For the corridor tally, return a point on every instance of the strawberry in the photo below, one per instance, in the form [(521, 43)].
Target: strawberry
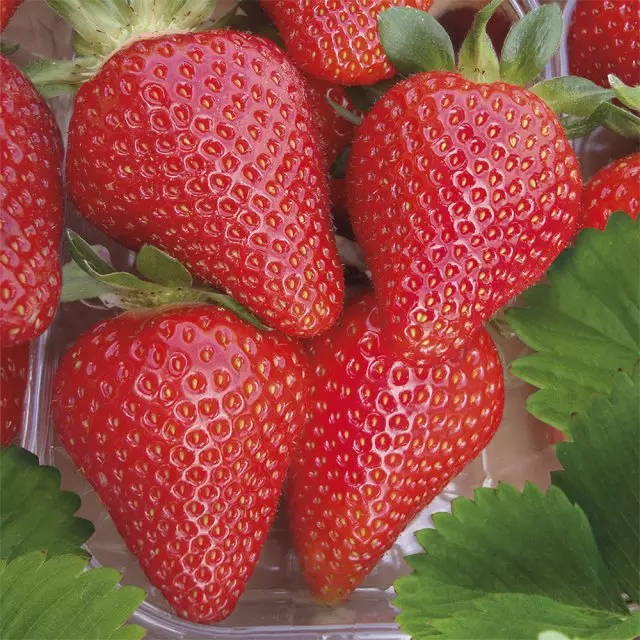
[(383, 439), (14, 365), (184, 420), (604, 38), (616, 187), (7, 9), (335, 131), (31, 209), (203, 144), (461, 194), (336, 40)]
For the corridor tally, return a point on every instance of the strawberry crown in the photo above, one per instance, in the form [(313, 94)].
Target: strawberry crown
[(416, 42), (89, 276)]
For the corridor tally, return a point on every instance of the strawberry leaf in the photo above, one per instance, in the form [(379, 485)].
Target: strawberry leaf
[(35, 514), (478, 60), (601, 466), (530, 44), (584, 324), (160, 267), (415, 41), (51, 599), (508, 616), (517, 563)]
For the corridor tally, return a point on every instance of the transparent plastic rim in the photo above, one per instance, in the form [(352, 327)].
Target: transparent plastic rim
[(156, 621)]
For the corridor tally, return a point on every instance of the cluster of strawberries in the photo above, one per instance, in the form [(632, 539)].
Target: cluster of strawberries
[(215, 147)]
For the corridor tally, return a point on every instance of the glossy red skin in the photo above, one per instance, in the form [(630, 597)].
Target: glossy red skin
[(616, 187), (166, 147), (604, 38), (457, 205), (335, 131), (184, 422), (383, 440), (31, 209), (7, 9), (14, 366), (336, 40)]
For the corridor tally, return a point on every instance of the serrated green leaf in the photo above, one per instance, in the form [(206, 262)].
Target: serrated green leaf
[(56, 599), (477, 59), (415, 41), (160, 267), (484, 547), (602, 475), (629, 96), (585, 324), (507, 616), (530, 44), (572, 95), (35, 514)]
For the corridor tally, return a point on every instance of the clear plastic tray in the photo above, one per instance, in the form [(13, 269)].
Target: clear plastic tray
[(276, 604)]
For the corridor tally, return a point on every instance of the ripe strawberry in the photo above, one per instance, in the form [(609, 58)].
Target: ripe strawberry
[(335, 131), (14, 364), (203, 144), (604, 38), (461, 195), (336, 40), (7, 9), (384, 438), (31, 209), (184, 421), (614, 188)]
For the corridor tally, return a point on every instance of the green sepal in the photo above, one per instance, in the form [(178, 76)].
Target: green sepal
[(160, 267), (478, 60), (354, 118), (572, 95), (415, 41), (617, 119), (8, 48), (57, 77), (339, 167), (365, 96), (35, 514), (530, 45), (602, 475), (226, 19), (629, 96), (168, 281)]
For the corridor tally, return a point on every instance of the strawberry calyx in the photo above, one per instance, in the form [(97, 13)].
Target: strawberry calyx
[(415, 42), (164, 281), (102, 28)]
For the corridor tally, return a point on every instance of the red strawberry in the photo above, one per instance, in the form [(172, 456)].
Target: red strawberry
[(31, 209), (614, 188), (336, 40), (461, 195), (14, 364), (604, 38), (384, 438), (335, 131), (7, 9), (184, 421), (203, 144)]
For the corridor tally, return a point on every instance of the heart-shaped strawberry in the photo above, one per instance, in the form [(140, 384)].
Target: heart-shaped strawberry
[(384, 438), (184, 421)]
